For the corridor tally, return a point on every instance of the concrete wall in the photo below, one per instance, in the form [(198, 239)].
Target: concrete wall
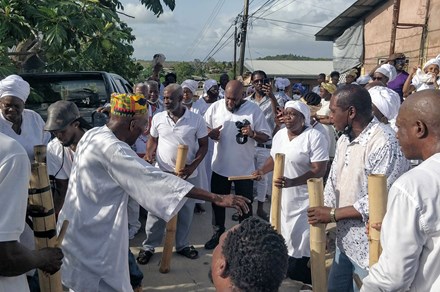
[(378, 27)]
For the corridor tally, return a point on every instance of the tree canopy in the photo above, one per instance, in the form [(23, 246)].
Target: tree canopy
[(68, 35)]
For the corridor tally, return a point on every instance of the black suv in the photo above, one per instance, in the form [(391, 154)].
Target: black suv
[(88, 90)]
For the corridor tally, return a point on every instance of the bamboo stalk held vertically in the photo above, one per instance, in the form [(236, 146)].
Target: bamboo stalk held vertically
[(317, 237), (275, 209), (40, 153), (165, 263), (44, 225), (377, 200)]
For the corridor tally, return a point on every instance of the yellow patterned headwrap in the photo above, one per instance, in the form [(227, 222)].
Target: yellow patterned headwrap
[(330, 87), (127, 104)]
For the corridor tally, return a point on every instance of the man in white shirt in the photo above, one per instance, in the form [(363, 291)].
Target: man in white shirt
[(15, 259), (321, 78), (177, 125), (366, 147), (235, 125), (106, 171), (410, 236)]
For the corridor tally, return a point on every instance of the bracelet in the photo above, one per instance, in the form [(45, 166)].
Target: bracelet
[(332, 215)]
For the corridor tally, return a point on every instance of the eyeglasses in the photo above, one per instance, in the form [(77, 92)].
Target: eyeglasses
[(377, 78)]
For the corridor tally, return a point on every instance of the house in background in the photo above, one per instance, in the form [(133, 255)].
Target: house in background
[(370, 30), (305, 72)]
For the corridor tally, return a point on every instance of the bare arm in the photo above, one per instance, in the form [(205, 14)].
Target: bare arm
[(318, 169), (60, 194), (407, 87), (15, 259), (151, 149)]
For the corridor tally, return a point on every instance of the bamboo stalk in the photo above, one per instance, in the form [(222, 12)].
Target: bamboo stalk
[(241, 177), (40, 153), (317, 237), (275, 209), (377, 199), (165, 263), (44, 226)]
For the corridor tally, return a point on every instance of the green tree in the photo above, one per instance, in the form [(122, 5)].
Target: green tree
[(184, 70), (68, 35)]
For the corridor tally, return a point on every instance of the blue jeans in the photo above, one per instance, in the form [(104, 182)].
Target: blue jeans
[(340, 278)]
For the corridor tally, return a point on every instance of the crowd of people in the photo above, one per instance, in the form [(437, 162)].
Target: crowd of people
[(385, 122)]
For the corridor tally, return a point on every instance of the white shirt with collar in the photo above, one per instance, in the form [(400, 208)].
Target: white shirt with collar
[(375, 151), (410, 234), (188, 130), (231, 158)]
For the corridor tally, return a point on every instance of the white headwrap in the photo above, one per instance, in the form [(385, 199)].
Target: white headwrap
[(301, 107), (14, 85), (364, 79), (387, 70), (386, 100), (191, 85), (435, 61), (208, 84), (282, 83)]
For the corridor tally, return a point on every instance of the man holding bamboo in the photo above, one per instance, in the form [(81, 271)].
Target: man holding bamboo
[(106, 171), (366, 147), (410, 234)]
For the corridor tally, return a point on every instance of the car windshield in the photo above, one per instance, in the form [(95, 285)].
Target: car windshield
[(84, 93)]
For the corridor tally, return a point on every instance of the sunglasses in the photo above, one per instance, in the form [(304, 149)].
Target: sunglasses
[(377, 78)]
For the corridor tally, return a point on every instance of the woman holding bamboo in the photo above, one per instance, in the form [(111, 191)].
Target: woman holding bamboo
[(306, 156)]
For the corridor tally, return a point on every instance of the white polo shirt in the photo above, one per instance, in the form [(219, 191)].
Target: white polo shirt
[(231, 158), (188, 130), (14, 181)]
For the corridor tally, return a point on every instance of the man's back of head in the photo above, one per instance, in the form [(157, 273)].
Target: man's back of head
[(251, 256)]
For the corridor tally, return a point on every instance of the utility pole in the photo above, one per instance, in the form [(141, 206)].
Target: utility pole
[(235, 48), (243, 35)]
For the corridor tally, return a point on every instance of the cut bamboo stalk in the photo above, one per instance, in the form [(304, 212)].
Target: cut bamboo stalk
[(165, 263), (317, 237), (40, 153), (44, 225), (377, 199), (275, 209), (242, 177)]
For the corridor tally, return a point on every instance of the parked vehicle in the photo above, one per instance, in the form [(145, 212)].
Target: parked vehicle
[(88, 90)]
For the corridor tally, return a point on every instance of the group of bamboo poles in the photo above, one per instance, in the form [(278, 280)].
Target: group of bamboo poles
[(377, 193), (44, 224)]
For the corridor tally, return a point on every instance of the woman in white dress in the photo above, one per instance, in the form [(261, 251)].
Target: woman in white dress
[(306, 156)]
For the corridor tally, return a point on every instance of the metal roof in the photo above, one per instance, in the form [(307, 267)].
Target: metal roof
[(292, 69), (359, 10)]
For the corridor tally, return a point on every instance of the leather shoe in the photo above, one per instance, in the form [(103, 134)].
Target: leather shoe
[(144, 257), (213, 242)]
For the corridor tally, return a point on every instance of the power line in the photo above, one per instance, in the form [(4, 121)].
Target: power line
[(218, 42), (289, 22)]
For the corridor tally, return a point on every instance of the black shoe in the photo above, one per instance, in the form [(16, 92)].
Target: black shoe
[(144, 257), (212, 243)]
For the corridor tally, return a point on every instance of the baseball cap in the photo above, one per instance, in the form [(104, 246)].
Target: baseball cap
[(60, 114)]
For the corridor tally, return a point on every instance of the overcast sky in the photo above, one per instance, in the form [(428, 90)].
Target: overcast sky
[(195, 26)]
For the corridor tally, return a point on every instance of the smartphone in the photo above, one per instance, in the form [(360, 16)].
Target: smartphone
[(266, 81)]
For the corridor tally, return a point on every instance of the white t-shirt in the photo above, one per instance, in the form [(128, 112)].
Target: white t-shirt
[(59, 159), (188, 130), (325, 111), (106, 171), (310, 146), (200, 106), (410, 234), (32, 131), (14, 183), (231, 158)]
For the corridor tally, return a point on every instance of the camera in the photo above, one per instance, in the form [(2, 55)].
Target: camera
[(240, 138)]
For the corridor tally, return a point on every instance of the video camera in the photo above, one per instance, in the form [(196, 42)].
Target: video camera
[(240, 138)]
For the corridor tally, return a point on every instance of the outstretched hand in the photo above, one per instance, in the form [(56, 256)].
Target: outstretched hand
[(233, 201)]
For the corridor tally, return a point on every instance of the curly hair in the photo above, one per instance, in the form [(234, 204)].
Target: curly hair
[(256, 256)]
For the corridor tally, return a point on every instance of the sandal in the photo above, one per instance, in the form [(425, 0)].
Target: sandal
[(189, 252), (144, 257)]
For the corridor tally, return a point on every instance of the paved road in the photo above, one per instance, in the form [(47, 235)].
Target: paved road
[(187, 274)]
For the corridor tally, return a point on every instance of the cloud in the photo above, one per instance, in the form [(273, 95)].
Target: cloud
[(180, 36)]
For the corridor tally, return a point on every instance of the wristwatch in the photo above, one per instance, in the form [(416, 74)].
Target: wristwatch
[(332, 215)]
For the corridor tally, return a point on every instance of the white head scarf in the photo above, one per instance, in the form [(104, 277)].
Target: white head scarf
[(282, 83), (191, 85), (208, 84), (301, 107), (435, 61), (387, 70), (14, 85), (386, 100), (364, 79)]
